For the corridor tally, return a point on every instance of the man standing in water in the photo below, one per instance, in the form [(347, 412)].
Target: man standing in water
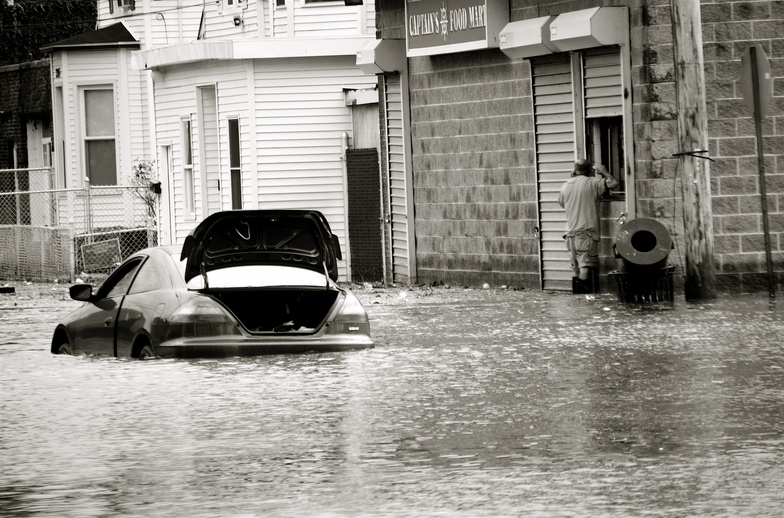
[(580, 197)]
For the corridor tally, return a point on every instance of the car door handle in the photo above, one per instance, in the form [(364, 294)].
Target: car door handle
[(108, 322)]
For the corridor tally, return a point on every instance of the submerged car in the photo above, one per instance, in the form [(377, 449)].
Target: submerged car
[(244, 282)]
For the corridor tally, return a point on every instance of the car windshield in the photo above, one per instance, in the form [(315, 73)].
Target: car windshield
[(255, 276)]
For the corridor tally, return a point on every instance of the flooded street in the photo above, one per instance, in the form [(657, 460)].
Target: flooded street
[(473, 403)]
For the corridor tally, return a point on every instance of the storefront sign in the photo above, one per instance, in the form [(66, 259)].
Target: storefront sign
[(446, 26)]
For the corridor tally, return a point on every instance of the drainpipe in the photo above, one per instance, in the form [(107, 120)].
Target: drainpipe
[(344, 145)]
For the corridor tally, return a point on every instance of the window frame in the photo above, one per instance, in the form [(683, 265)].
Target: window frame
[(188, 176), (611, 148), (587, 123), (126, 271), (85, 138), (122, 6), (235, 161)]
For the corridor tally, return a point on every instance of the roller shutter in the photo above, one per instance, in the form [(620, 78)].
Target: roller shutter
[(602, 85), (554, 121)]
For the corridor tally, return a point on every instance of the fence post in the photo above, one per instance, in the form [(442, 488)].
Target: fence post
[(17, 198), (87, 208)]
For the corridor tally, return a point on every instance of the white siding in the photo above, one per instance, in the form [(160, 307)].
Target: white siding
[(165, 22), (233, 102), (319, 20), (301, 114), (87, 68), (398, 190), (209, 159), (175, 97)]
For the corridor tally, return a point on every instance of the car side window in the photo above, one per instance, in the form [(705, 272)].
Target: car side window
[(152, 276), (117, 284)]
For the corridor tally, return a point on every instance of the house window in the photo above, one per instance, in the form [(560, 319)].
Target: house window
[(99, 137), (120, 6), (187, 167), (47, 151), (233, 5), (235, 164)]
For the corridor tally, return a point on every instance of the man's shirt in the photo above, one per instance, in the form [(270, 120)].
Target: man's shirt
[(580, 196)]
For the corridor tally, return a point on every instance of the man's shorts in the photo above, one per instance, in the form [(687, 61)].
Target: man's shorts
[(584, 249)]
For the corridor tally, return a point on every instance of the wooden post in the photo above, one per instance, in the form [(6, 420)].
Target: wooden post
[(693, 147)]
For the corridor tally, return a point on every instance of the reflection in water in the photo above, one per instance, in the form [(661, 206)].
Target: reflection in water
[(472, 404)]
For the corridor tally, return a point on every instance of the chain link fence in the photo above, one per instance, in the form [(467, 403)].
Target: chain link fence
[(55, 234)]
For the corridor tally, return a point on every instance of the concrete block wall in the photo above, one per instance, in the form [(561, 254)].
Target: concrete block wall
[(473, 162)]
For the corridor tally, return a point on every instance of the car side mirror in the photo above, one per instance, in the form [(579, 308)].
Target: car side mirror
[(81, 292)]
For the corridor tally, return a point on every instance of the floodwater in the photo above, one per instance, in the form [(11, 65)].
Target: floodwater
[(473, 403)]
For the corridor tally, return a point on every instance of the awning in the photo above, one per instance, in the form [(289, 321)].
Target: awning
[(382, 56), (576, 30), (590, 28), (266, 48), (527, 38)]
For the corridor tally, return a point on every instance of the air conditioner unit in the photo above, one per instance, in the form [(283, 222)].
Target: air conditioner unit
[(125, 5)]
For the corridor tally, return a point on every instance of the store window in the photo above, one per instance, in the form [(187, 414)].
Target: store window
[(99, 136), (603, 110), (579, 104), (604, 145)]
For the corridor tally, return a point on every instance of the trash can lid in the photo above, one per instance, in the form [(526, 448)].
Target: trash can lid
[(643, 241)]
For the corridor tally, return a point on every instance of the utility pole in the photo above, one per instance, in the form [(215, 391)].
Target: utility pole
[(693, 148)]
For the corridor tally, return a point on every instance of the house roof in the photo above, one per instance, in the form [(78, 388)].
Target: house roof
[(113, 36)]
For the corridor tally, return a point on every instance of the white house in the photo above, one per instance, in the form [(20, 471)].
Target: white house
[(246, 104)]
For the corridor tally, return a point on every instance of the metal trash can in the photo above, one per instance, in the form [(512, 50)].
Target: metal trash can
[(643, 245)]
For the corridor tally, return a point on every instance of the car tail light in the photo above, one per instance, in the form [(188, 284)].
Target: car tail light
[(201, 317), (351, 319)]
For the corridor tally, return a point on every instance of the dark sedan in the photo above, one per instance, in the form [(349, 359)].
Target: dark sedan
[(245, 282)]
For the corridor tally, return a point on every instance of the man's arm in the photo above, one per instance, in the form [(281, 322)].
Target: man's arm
[(609, 179)]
